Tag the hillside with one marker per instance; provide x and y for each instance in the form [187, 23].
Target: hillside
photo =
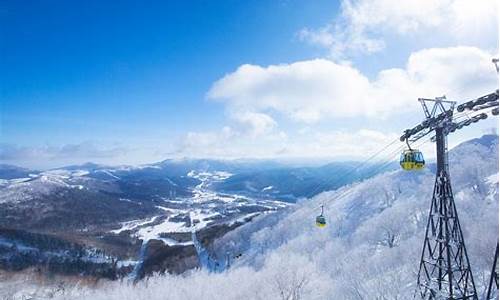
[139, 219]
[369, 250]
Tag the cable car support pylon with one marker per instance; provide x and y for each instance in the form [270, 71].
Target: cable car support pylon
[444, 270]
[493, 286]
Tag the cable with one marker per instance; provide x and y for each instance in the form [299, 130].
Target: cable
[377, 168]
[357, 167]
[380, 167]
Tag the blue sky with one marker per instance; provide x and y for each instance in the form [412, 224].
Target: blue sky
[131, 67]
[125, 82]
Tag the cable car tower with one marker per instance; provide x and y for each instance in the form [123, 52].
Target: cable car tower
[444, 271]
[493, 286]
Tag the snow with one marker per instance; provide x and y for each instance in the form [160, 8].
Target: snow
[130, 201]
[200, 209]
[16, 191]
[127, 262]
[130, 225]
[79, 173]
[369, 249]
[24, 189]
[172, 242]
[198, 219]
[109, 173]
[170, 181]
[202, 192]
[206, 261]
[138, 167]
[57, 180]
[17, 180]
[242, 219]
[153, 232]
[214, 176]
[284, 253]
[267, 188]
[492, 179]
[170, 210]
[63, 173]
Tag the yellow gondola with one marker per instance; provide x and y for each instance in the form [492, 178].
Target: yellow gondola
[411, 159]
[321, 220]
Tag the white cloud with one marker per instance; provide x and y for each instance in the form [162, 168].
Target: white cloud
[322, 37]
[85, 150]
[365, 26]
[247, 134]
[49, 156]
[254, 124]
[312, 91]
[308, 91]
[458, 71]
[231, 143]
[209, 143]
[346, 144]
[303, 90]
[336, 144]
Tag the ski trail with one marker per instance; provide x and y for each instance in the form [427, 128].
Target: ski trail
[134, 275]
[206, 261]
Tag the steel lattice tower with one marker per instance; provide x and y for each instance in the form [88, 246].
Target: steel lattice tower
[493, 286]
[445, 271]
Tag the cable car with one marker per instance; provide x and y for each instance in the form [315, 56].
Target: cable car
[321, 220]
[412, 159]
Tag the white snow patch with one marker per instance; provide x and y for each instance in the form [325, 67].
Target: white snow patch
[267, 188]
[130, 225]
[170, 210]
[172, 242]
[493, 179]
[109, 173]
[153, 232]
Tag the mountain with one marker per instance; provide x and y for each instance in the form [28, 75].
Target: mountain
[372, 244]
[289, 184]
[370, 248]
[140, 218]
[11, 172]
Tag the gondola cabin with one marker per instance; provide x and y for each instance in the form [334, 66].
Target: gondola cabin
[320, 221]
[412, 160]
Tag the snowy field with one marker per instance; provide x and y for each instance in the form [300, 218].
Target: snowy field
[370, 248]
[201, 210]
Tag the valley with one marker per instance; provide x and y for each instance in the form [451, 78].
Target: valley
[129, 222]
[115, 246]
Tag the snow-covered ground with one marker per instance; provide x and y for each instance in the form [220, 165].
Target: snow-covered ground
[203, 209]
[201, 192]
[492, 179]
[24, 189]
[131, 225]
[369, 250]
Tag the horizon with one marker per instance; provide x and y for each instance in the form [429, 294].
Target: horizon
[297, 162]
[129, 84]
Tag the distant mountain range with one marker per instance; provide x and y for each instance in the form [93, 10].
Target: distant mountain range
[258, 178]
[103, 214]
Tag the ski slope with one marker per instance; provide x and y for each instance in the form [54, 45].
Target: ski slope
[369, 250]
